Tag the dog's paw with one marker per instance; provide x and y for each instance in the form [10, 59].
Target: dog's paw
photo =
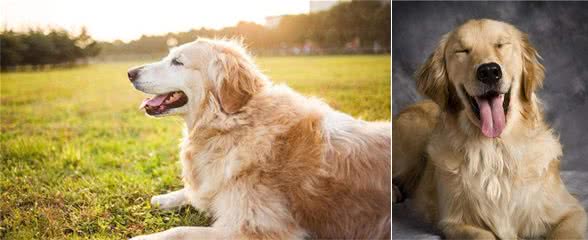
[163, 202]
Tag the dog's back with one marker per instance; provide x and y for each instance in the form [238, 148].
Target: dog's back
[357, 162]
[346, 193]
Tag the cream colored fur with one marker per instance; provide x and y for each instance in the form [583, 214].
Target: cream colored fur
[269, 163]
[472, 186]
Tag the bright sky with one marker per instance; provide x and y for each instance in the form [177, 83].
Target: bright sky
[108, 20]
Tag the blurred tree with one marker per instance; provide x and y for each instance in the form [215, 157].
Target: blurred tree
[65, 49]
[40, 49]
[366, 23]
[11, 49]
[37, 48]
[88, 47]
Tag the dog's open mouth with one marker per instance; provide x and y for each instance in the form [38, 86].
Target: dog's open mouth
[491, 109]
[164, 102]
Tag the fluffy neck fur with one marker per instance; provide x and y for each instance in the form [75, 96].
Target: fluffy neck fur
[498, 162]
[491, 171]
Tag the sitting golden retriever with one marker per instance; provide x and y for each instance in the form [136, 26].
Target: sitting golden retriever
[479, 160]
[263, 160]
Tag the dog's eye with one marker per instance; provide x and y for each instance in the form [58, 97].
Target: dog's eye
[466, 51]
[176, 62]
[500, 45]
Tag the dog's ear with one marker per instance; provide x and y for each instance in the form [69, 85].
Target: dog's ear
[432, 81]
[237, 78]
[533, 70]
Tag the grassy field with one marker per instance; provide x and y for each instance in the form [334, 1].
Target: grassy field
[78, 160]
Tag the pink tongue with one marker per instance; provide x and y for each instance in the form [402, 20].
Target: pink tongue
[491, 115]
[156, 101]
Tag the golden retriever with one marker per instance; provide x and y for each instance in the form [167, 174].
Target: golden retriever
[263, 160]
[478, 159]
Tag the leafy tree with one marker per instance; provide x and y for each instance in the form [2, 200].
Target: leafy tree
[40, 48]
[11, 49]
[37, 48]
[87, 46]
[65, 49]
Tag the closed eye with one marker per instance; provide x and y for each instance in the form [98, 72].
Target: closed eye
[175, 62]
[500, 45]
[466, 51]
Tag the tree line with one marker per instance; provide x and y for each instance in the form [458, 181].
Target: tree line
[38, 48]
[349, 25]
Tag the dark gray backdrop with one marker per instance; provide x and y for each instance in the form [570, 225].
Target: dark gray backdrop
[559, 31]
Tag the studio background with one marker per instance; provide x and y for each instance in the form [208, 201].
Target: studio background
[559, 31]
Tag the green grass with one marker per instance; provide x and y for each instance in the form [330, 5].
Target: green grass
[78, 160]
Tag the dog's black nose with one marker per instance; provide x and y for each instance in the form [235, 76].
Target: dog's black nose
[489, 73]
[134, 73]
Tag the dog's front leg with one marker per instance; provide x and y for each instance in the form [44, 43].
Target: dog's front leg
[465, 231]
[571, 226]
[187, 233]
[170, 200]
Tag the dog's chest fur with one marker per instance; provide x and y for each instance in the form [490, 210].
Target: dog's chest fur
[208, 159]
[212, 159]
[500, 184]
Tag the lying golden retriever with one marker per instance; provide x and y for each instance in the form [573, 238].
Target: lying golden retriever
[263, 160]
[479, 160]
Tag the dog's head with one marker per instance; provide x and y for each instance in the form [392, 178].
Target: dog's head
[484, 69]
[183, 81]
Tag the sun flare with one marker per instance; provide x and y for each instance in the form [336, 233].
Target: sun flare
[110, 20]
